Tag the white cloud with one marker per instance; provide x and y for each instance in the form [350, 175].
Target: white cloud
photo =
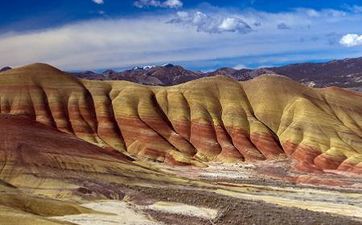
[198, 37]
[173, 4]
[234, 25]
[147, 3]
[357, 9]
[211, 23]
[354, 8]
[156, 3]
[351, 40]
[98, 1]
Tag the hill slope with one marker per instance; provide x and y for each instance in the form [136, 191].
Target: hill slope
[210, 119]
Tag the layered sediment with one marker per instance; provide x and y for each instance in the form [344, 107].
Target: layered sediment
[210, 119]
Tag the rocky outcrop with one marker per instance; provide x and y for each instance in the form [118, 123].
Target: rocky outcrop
[210, 119]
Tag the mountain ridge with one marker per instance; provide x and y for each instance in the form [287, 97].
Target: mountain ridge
[345, 73]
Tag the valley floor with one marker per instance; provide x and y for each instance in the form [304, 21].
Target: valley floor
[234, 196]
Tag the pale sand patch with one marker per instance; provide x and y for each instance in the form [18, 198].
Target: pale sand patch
[122, 213]
[183, 209]
[227, 171]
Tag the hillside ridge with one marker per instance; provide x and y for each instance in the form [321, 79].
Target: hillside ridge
[210, 119]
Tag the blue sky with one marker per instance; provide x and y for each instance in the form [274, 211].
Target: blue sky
[200, 35]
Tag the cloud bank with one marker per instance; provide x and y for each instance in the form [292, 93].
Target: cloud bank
[210, 37]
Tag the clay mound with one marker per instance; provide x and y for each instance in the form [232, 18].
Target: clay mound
[210, 119]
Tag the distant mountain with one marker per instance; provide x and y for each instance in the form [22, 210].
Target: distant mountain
[345, 73]
[5, 69]
[168, 74]
[157, 75]
[243, 74]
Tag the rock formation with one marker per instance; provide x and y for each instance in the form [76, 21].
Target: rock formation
[210, 119]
